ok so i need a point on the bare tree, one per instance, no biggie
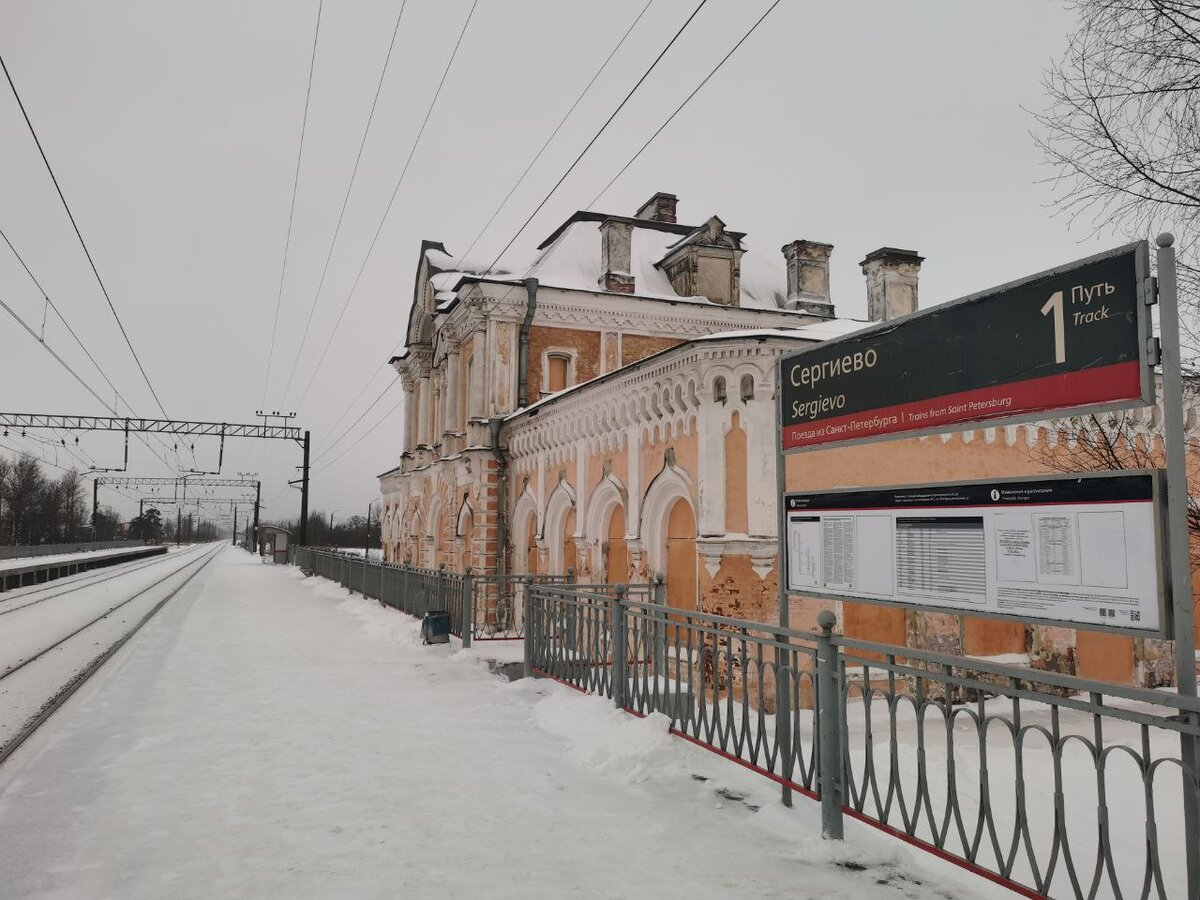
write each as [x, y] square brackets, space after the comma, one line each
[1122, 128]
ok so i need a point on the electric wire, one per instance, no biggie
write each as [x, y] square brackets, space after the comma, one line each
[287, 244]
[557, 128]
[685, 102]
[83, 347]
[536, 157]
[79, 234]
[345, 202]
[391, 201]
[597, 135]
[391, 384]
[362, 436]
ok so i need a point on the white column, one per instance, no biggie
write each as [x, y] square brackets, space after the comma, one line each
[581, 486]
[423, 400]
[541, 492]
[633, 519]
[410, 416]
[710, 479]
[453, 399]
[761, 439]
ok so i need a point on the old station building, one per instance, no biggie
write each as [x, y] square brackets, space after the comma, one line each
[610, 409]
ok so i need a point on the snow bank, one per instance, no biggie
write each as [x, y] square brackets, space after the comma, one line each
[603, 738]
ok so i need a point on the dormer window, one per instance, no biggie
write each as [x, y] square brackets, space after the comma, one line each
[706, 263]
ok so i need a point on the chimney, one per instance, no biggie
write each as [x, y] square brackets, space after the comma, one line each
[659, 208]
[615, 240]
[891, 283]
[808, 277]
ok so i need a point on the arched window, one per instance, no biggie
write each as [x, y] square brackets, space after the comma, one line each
[747, 387]
[719, 389]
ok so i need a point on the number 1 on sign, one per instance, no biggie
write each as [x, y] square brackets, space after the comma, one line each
[1055, 305]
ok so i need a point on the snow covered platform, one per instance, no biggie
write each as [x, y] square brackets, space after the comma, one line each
[270, 736]
[28, 570]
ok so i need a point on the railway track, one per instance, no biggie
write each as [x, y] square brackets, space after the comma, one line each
[91, 579]
[62, 693]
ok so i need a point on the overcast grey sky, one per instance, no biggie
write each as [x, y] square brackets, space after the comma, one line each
[173, 128]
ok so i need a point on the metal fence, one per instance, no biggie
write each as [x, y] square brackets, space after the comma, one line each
[489, 606]
[1050, 784]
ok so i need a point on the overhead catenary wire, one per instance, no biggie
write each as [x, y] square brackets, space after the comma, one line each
[527, 169]
[62, 362]
[345, 202]
[362, 436]
[685, 102]
[79, 234]
[351, 426]
[582, 153]
[287, 243]
[557, 128]
[20, 259]
[391, 200]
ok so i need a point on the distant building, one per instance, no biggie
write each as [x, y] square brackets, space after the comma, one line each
[611, 410]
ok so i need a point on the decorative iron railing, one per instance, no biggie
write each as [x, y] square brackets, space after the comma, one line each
[1052, 785]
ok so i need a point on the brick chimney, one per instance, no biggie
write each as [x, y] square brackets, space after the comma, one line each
[891, 283]
[659, 208]
[615, 252]
[808, 277]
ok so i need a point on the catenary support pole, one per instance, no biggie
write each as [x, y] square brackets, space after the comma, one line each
[95, 504]
[257, 503]
[233, 539]
[304, 495]
[1177, 528]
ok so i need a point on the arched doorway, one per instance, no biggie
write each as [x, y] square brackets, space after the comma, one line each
[616, 551]
[531, 548]
[570, 553]
[681, 556]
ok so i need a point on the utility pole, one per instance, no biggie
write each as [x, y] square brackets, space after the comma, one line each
[233, 540]
[257, 499]
[95, 504]
[304, 496]
[367, 536]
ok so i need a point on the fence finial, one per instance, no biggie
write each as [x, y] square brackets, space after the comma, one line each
[826, 620]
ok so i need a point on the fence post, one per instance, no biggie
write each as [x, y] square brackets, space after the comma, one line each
[620, 677]
[829, 728]
[468, 608]
[660, 627]
[439, 602]
[527, 603]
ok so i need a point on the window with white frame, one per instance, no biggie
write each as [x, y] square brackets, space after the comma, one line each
[558, 370]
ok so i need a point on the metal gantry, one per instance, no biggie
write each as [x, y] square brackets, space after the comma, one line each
[266, 430]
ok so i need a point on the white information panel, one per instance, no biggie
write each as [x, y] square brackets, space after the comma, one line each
[1078, 550]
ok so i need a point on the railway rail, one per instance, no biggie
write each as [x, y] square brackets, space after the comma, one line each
[60, 587]
[60, 694]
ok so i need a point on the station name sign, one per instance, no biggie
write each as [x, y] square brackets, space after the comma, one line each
[1074, 337]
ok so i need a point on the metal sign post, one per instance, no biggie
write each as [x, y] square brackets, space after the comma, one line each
[1175, 446]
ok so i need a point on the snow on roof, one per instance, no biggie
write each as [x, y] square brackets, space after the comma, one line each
[573, 262]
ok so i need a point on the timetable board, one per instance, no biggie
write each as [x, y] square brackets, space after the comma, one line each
[1075, 550]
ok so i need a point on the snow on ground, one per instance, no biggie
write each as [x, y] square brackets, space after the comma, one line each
[271, 736]
[57, 612]
[56, 558]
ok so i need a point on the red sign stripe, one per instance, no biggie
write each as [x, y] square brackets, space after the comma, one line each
[1088, 387]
